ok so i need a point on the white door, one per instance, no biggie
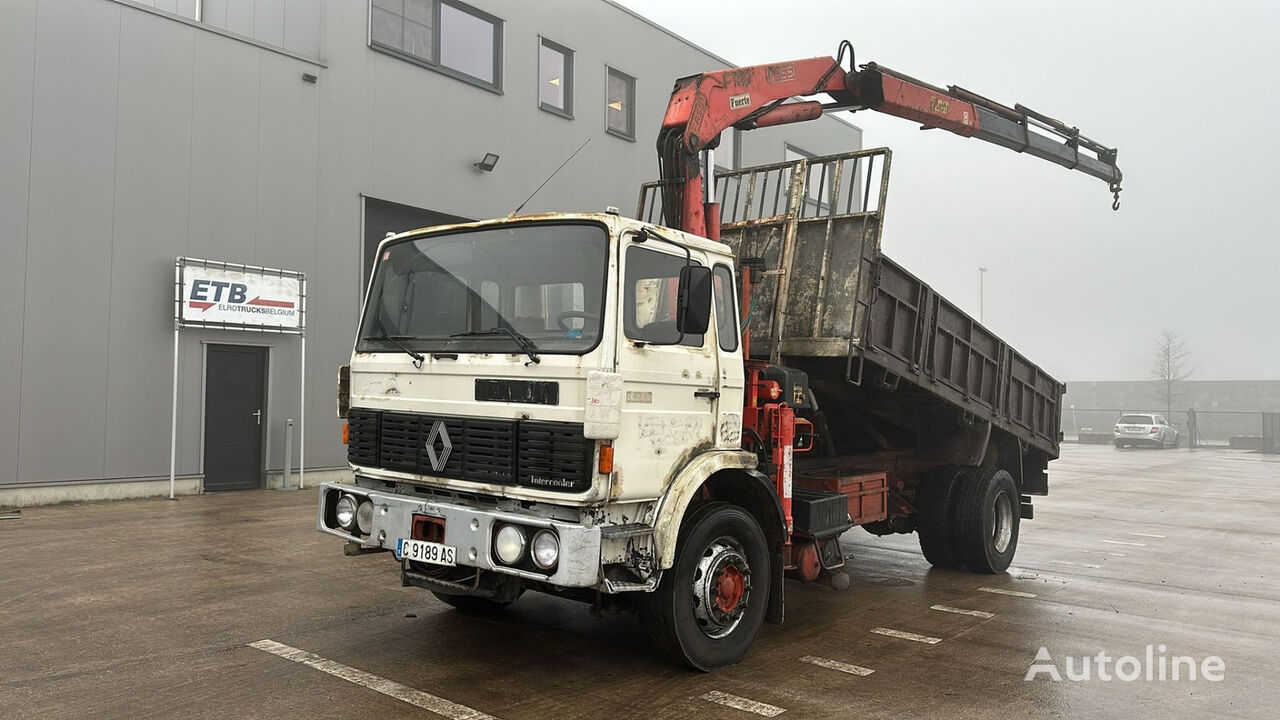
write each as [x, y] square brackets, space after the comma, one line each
[671, 383]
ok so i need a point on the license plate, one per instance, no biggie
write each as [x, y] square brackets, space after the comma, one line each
[427, 552]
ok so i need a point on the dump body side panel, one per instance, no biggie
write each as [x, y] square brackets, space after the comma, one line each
[921, 336]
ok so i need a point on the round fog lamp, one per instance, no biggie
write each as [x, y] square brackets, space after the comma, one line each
[545, 549]
[509, 545]
[364, 517]
[346, 512]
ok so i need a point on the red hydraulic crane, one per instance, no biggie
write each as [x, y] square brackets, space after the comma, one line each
[702, 106]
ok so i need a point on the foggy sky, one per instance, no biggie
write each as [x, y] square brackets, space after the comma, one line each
[1181, 89]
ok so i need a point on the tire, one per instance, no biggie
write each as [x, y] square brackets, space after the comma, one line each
[934, 502]
[703, 624]
[987, 513]
[1119, 444]
[1177, 440]
[470, 603]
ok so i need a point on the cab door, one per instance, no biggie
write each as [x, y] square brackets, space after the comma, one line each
[671, 383]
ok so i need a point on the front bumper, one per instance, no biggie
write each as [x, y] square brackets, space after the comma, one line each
[467, 528]
[1135, 439]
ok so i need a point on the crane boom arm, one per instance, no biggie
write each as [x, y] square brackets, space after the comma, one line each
[703, 106]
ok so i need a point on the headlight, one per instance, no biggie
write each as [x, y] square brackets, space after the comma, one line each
[346, 512]
[545, 549]
[509, 545]
[364, 517]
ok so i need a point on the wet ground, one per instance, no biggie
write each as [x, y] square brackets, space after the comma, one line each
[149, 609]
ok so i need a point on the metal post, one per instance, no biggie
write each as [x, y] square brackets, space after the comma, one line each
[1075, 424]
[288, 454]
[173, 419]
[302, 422]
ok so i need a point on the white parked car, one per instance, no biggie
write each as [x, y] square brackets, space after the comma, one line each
[1144, 429]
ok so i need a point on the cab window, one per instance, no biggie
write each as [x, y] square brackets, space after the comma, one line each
[725, 297]
[651, 283]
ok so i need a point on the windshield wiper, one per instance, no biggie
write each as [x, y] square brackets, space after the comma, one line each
[526, 345]
[417, 356]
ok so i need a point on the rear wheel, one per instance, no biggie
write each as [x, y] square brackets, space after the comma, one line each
[711, 603]
[934, 502]
[986, 516]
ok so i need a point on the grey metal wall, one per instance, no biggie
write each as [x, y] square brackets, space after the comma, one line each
[131, 136]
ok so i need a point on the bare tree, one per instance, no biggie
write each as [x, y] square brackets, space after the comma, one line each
[1169, 367]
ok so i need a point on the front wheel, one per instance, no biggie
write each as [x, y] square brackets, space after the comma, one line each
[711, 603]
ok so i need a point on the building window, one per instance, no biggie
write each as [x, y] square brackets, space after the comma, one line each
[620, 110]
[444, 35]
[555, 78]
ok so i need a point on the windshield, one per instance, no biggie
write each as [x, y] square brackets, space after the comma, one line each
[1136, 420]
[464, 292]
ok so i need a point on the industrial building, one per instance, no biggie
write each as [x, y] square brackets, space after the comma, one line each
[290, 134]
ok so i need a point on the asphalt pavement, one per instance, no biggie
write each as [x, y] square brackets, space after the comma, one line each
[232, 606]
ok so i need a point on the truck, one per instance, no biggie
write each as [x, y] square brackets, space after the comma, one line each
[675, 413]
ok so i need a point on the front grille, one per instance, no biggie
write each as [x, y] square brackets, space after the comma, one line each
[554, 456]
[362, 437]
[538, 454]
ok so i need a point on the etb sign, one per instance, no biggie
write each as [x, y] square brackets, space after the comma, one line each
[239, 297]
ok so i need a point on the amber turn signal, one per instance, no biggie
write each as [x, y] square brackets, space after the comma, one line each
[346, 433]
[606, 460]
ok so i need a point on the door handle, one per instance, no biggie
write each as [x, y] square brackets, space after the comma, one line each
[257, 414]
[708, 394]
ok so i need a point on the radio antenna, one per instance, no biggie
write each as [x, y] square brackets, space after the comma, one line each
[544, 182]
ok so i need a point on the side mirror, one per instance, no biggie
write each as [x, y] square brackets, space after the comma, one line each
[693, 313]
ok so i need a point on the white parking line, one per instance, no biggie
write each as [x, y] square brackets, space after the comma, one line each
[1001, 591]
[1074, 564]
[1024, 574]
[426, 701]
[1125, 542]
[741, 703]
[1102, 552]
[962, 611]
[1147, 535]
[907, 635]
[836, 665]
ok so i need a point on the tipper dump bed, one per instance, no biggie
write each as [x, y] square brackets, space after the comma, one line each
[832, 304]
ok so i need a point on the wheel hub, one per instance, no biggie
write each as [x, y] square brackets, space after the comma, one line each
[721, 587]
[729, 589]
[1002, 522]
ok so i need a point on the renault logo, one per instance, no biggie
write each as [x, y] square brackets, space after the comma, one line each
[439, 434]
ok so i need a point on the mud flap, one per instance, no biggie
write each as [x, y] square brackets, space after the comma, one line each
[773, 613]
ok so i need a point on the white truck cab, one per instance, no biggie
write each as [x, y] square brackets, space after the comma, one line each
[522, 405]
